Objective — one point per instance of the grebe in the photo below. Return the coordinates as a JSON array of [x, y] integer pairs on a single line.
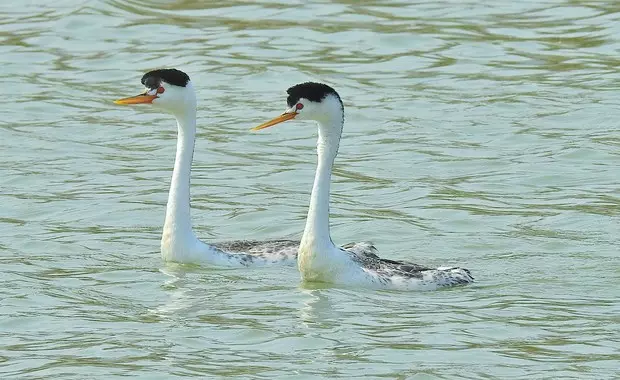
[[319, 260], [171, 90]]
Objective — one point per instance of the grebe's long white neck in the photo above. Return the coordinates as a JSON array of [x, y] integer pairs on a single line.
[[316, 247], [316, 239], [178, 224]]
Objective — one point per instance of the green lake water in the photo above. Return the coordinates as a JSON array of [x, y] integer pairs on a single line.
[[478, 133]]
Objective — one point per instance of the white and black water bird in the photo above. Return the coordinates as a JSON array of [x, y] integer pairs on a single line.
[[319, 260], [171, 90]]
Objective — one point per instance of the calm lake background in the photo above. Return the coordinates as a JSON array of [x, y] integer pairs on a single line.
[[478, 133]]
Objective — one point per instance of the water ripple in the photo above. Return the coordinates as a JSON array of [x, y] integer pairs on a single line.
[[476, 134]]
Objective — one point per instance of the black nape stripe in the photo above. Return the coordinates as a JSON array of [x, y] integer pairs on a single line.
[[175, 77], [315, 92]]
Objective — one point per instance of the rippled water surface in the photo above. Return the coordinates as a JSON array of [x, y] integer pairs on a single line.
[[478, 133]]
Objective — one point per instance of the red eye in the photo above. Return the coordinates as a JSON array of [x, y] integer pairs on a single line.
[[299, 106], [161, 90]]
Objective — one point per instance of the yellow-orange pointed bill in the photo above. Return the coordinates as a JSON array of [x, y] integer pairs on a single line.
[[138, 99], [277, 120]]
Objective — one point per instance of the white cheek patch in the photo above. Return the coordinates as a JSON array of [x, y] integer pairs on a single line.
[[151, 91]]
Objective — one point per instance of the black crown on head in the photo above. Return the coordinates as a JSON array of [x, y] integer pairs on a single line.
[[175, 77], [315, 92]]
